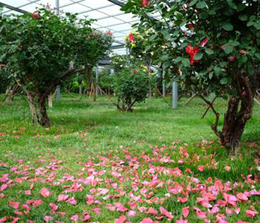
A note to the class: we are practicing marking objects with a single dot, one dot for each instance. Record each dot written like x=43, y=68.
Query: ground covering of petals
x=176, y=182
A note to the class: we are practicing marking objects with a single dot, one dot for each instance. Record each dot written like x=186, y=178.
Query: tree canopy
x=214, y=45
x=37, y=49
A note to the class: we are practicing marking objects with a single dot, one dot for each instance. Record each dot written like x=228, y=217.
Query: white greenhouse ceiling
x=106, y=12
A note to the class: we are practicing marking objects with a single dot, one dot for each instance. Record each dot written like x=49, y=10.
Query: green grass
x=84, y=131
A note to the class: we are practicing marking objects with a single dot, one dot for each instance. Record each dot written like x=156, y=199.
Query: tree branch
x=59, y=79
x=205, y=113
x=215, y=125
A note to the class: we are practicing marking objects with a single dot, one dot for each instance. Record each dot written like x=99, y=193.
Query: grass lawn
x=97, y=164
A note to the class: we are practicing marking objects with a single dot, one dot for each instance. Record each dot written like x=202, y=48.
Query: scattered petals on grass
x=186, y=211
x=45, y=192
x=48, y=218
x=147, y=220
x=251, y=213
x=75, y=218
x=181, y=220
x=242, y=197
x=227, y=168
x=127, y=186
x=201, y=168
x=121, y=219
x=166, y=213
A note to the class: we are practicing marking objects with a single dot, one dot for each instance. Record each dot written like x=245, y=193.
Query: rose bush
x=38, y=47
x=131, y=85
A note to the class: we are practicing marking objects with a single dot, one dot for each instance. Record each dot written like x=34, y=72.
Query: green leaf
x=147, y=48
x=152, y=37
x=193, y=2
x=210, y=75
x=257, y=25
x=166, y=65
x=176, y=33
x=240, y=7
x=209, y=51
x=229, y=49
x=178, y=59
x=166, y=34
x=224, y=81
x=164, y=57
x=234, y=43
x=228, y=27
x=201, y=5
x=257, y=55
x=203, y=15
x=231, y=4
x=186, y=62
x=223, y=64
x=243, y=17
x=217, y=70
x=250, y=23
x=212, y=12
x=198, y=56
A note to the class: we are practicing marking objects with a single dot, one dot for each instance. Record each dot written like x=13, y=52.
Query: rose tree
x=131, y=86
x=216, y=45
x=37, y=50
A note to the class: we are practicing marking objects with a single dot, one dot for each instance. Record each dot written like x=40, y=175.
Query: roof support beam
x=118, y=47
x=116, y=2
x=13, y=8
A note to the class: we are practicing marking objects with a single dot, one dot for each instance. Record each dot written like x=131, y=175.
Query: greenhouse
x=129, y=111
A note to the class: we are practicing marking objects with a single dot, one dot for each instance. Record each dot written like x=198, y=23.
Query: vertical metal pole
x=163, y=83
x=58, y=95
x=174, y=94
x=57, y=8
x=112, y=71
x=127, y=56
x=97, y=75
x=193, y=90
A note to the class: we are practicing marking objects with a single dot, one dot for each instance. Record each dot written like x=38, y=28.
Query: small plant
x=131, y=86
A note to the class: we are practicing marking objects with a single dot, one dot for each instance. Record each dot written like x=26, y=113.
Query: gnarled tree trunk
x=236, y=117
x=38, y=109
x=240, y=109
x=32, y=107
x=43, y=118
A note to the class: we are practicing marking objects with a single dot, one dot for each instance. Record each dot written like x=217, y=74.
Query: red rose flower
x=190, y=26
x=35, y=15
x=192, y=51
x=232, y=58
x=135, y=71
x=243, y=52
x=145, y=3
x=222, y=47
x=110, y=33
x=204, y=42
x=131, y=37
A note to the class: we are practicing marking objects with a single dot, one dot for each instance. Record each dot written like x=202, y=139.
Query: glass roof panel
x=106, y=12
x=112, y=10
x=92, y=15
